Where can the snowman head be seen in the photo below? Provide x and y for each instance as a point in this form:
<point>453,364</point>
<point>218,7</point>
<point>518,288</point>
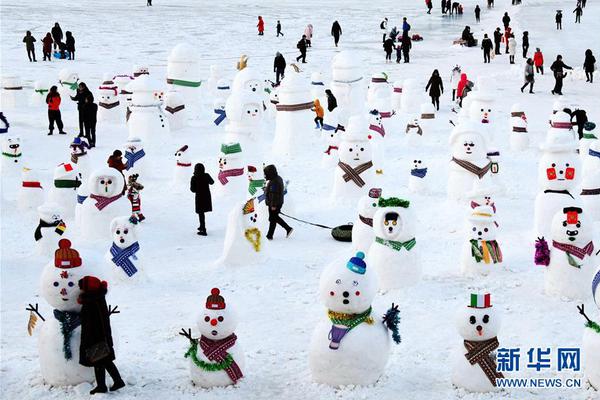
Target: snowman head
<point>249,215</point>
<point>355,148</point>
<point>106,182</point>
<point>244,109</point>
<point>182,155</point>
<point>571,226</point>
<point>59,279</point>
<point>12,145</point>
<point>481,112</point>
<point>50,212</point>
<point>558,170</point>
<point>367,205</point>
<point>219,104</point>
<point>108,95</point>
<point>480,320</point>
<point>346,67</point>
<point>348,287</point>
<point>481,224</point>
<point>218,320</point>
<point>248,81</point>
<point>123,230</point>
<point>134,144</point>
<point>393,220</point>
<point>482,193</point>
<point>230,156</point>
<point>467,144</point>
<point>417,163</point>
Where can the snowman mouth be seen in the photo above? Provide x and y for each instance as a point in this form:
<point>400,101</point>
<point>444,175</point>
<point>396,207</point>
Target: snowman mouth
<point>357,159</point>
<point>214,333</point>
<point>122,240</point>
<point>63,299</point>
<point>469,152</point>
<point>485,121</point>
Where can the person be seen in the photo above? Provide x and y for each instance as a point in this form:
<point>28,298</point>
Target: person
<point>443,6</point>
<point>477,13</point>
<point>279,67</point>
<point>579,119</point>
<point>487,46</point>
<point>558,19</point>
<point>429,5</point>
<point>331,100</point>
<point>394,34</point>
<point>405,27</point>
<point>70,43</point>
<point>462,89</point>
<point>398,54</point>
<point>274,197</point>
<point>260,26</point>
<point>83,98</point>
<point>455,80</point>
<point>467,36</point>
<point>449,6</point>
<point>436,88</point>
<point>279,28</point>
<point>497,40</point>
<point>383,27</point>
<point>29,46</point>
<point>578,11</point>
<point>388,47</point>
<point>57,35</point>
<point>589,66</point>
<point>529,76</point>
<point>538,61</point>
<point>318,109</point>
<point>558,67</point>
<point>406,44</point>
<point>308,32</point>
<point>512,48</point>
<point>506,20</point>
<point>525,44</point>
<point>301,45</point>
<point>336,32</point>
<point>149,3</point>
<point>47,47</point>
<point>490,3</point>
<point>200,186</point>
<point>507,35</point>
<point>115,160</point>
<point>89,123</point>
<point>96,348</point>
<point>53,101</point>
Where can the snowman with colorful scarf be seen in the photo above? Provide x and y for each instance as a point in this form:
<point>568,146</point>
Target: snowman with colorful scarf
<point>474,363</point>
<point>590,193</point>
<point>418,176</point>
<point>31,192</point>
<point>183,75</point>
<point>68,82</point>
<point>135,154</point>
<point>362,229</point>
<point>79,155</point>
<point>351,346</point>
<point>222,92</point>
<point>569,256</point>
<point>519,137</point>
<point>591,339</point>
<point>40,91</point>
<point>393,254</point>
<point>481,251</point>
<point>104,203</point>
<point>175,110</point>
<point>331,133</point>
<point>11,155</point>
<point>59,335</point>
<point>123,258</point>
<point>183,167</point>
<point>67,179</point>
<point>232,184</point>
<point>216,357</point>
<point>109,104</point>
<point>50,228</point>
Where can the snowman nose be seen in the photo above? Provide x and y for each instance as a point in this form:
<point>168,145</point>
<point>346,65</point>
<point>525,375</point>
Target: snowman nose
<point>479,233</point>
<point>213,322</point>
<point>345,294</point>
<point>479,329</point>
<point>63,292</point>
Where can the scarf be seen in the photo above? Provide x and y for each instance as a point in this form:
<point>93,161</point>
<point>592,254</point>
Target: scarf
<point>589,136</point>
<point>81,199</point>
<point>559,192</point>
<point>294,107</point>
<point>41,91</point>
<point>519,114</point>
<point>377,128</point>
<point>418,172</point>
<point>317,83</point>
<point>223,175</point>
<point>350,81</point>
<point>562,125</point>
<point>329,148</point>
<point>427,116</point>
<point>173,110</point>
<point>365,220</point>
<point>379,80</point>
<point>132,158</point>
<point>31,184</point>
<point>69,321</point>
<point>343,323</point>
<point>181,164</point>
<point>479,353</point>
<point>519,129</point>
<point>71,85</point>
<point>221,115</point>
<point>108,106</point>
<point>397,90</point>
<point>121,257</point>
<point>594,153</point>
<point>113,88</point>
<point>181,82</point>
<point>254,185</point>
<point>395,245</point>
<point>386,114</point>
<point>411,126</point>
<point>67,183</point>
<point>472,168</point>
<point>354,173</point>
<point>571,250</point>
<point>216,351</point>
<point>60,228</point>
<point>489,252</point>
<point>102,201</point>
<point>590,192</point>
<point>11,155</point>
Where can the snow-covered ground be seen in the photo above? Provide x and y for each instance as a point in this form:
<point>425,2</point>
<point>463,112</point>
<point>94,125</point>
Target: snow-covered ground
<point>278,301</point>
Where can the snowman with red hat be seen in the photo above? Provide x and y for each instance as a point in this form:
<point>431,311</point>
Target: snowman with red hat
<point>183,166</point>
<point>216,357</point>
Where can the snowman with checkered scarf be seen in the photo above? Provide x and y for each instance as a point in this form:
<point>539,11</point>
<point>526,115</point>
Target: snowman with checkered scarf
<point>123,257</point>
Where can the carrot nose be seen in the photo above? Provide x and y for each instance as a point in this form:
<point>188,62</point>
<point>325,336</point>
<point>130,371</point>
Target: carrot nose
<point>213,322</point>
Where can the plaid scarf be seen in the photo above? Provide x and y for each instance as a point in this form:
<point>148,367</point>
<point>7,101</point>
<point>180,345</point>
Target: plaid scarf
<point>108,106</point>
<point>102,201</point>
<point>395,245</point>
<point>489,252</point>
<point>343,323</point>
<point>590,192</point>
<point>43,224</point>
<point>353,174</point>
<point>121,257</point>
<point>69,321</point>
<point>254,185</point>
<point>329,148</point>
<point>132,158</point>
<point>571,250</point>
<point>411,126</point>
<point>223,175</point>
<point>181,82</point>
<point>294,107</point>
<point>479,353</point>
<point>221,115</point>
<point>472,168</point>
<point>419,172</point>
<point>216,351</point>
<point>377,128</point>
<point>365,220</point>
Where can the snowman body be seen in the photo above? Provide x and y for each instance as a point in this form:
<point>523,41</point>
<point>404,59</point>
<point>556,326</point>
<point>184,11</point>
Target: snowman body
<point>417,181</point>
<point>31,192</point>
<point>12,92</point>
<point>110,108</point>
<point>147,119</point>
<point>347,85</point>
<point>183,167</point>
<point>362,229</point>
<point>175,110</point>
<point>244,241</point>
<point>481,251</point>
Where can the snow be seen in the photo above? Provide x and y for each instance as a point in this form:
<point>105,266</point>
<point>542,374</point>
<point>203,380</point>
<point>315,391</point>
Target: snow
<point>278,302</point>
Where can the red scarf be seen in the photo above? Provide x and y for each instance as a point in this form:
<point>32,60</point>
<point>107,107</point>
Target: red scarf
<point>223,175</point>
<point>102,201</point>
<point>216,351</point>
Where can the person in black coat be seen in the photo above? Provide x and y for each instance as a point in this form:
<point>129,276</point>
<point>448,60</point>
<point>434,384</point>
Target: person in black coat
<point>336,32</point>
<point>497,40</point>
<point>558,19</point>
<point>388,47</point>
<point>487,47</point>
<point>579,119</point>
<point>331,100</point>
<point>29,46</point>
<point>435,87</point>
<point>506,20</point>
<point>200,185</point>
<point>558,68</point>
<point>477,13</point>
<point>279,67</point>
<point>70,43</point>
<point>83,98</point>
<point>525,43</point>
<point>302,45</point>
<point>57,35</point>
<point>589,65</point>
<point>274,200</point>
<point>279,28</point>
<point>406,45</point>
<point>96,349</point>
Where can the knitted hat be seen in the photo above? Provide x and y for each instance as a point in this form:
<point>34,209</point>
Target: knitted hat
<point>66,257</point>
<point>215,301</point>
<point>248,207</point>
<point>572,214</point>
<point>182,149</point>
<point>375,193</point>
<point>480,300</point>
<point>357,263</point>
<point>231,148</point>
<point>92,284</point>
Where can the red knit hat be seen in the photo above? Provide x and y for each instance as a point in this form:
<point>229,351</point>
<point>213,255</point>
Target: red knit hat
<point>215,301</point>
<point>65,256</point>
<point>92,284</point>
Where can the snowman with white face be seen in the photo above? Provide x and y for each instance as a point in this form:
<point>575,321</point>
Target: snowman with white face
<point>244,115</point>
<point>418,176</point>
<point>123,257</point>
<point>231,180</point>
<point>67,179</point>
<point>362,229</point>
<point>60,334</point>
<point>11,155</point>
<point>68,81</point>
<point>481,251</point>
<point>351,346</point>
<point>483,194</point>
<point>591,339</point>
<point>331,133</point>
<point>216,358</point>
<point>183,167</point>
<point>474,362</point>
<point>50,229</point>
<point>109,104</point>
<point>248,81</point>
<point>376,136</point>
<point>244,242</point>
<point>519,137</point>
<point>134,156</point>
<point>31,192</point>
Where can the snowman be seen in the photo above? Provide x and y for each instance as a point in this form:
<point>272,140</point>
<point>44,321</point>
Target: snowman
<point>109,105</point>
<point>67,179</point>
<point>569,258</point>
<point>135,155</point>
<point>183,166</point>
<point>317,87</point>
<point>588,138</point>
<point>347,85</point>
<point>248,81</point>
<point>31,192</point>
<point>362,229</point>
<point>376,136</point>
<point>122,80</point>
<point>4,124</point>
<point>393,253</point>
<point>418,176</point>
<point>519,137</point>
<point>591,339</point>
<point>481,110</point>
<point>244,115</point>
<point>590,193</point>
<point>483,193</point>
<point>79,155</point>
<point>474,362</point>
<point>40,91</point>
<point>68,82</point>
<point>11,155</point>
<point>231,182</point>
<point>216,358</point>
<point>175,110</point>
<point>146,119</point>
<point>212,81</point>
<point>379,88</point>
<point>481,251</point>
<point>331,133</point>
<point>411,97</point>
<point>184,76</point>
<point>105,202</point>
<point>12,92</point>
<point>59,336</point>
<point>414,132</point>
<point>351,346</point>
<point>560,125</point>
<point>139,70</point>
<point>244,242</point>
<point>50,228</point>
<point>123,258</point>
<point>396,97</point>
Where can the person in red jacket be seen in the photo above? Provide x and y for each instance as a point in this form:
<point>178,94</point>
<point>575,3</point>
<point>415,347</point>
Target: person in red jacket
<point>538,61</point>
<point>47,46</point>
<point>460,89</point>
<point>261,26</point>
<point>53,101</point>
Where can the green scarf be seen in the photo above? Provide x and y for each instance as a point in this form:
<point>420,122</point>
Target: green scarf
<point>67,183</point>
<point>589,136</point>
<point>11,155</point>
<point>593,326</point>
<point>71,85</point>
<point>254,185</point>
<point>41,91</point>
<point>181,82</point>
<point>350,321</point>
<point>231,148</point>
<point>207,366</point>
<point>394,245</point>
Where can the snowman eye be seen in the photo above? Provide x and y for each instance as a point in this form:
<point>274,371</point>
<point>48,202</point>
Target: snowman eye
<point>489,110</point>
<point>472,320</point>
<point>338,281</point>
<point>482,109</point>
<point>332,293</point>
<point>374,204</point>
<point>566,165</point>
<point>553,165</point>
<point>354,283</point>
<point>207,318</point>
<point>126,231</point>
<point>485,229</point>
<point>102,182</point>
<point>71,284</point>
<point>220,319</point>
<point>362,149</point>
<point>248,112</point>
<point>486,319</point>
<point>578,225</point>
<point>565,224</point>
<point>118,232</point>
<point>386,223</point>
<point>394,223</point>
<point>472,144</point>
<point>55,284</point>
<point>465,144</point>
<point>474,229</point>
<point>109,182</point>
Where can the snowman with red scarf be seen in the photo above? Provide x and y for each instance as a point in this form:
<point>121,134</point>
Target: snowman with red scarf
<point>216,358</point>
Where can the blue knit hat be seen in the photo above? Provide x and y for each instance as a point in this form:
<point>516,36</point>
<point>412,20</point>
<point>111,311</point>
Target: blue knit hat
<point>357,263</point>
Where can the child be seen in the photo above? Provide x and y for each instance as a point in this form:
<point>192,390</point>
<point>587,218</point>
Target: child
<point>200,185</point>
<point>133,194</point>
<point>53,101</point>
<point>318,109</point>
<point>398,54</point>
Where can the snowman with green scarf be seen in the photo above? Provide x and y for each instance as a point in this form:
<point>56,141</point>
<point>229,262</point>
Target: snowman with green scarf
<point>351,346</point>
<point>591,339</point>
<point>67,179</point>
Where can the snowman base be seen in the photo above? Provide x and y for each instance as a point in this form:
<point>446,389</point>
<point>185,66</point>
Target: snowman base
<point>591,351</point>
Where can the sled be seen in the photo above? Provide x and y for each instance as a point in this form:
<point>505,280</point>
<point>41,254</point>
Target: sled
<point>342,233</point>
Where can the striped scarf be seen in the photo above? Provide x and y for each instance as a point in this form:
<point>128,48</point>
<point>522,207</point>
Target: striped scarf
<point>571,250</point>
<point>140,73</point>
<point>181,82</point>
<point>343,323</point>
<point>472,168</point>
<point>395,245</point>
<point>353,174</point>
<point>365,220</point>
<point>397,90</point>
<point>121,257</point>
<point>102,202</point>
<point>294,107</point>
<point>69,321</point>
<point>488,252</point>
<point>133,157</point>
<point>221,115</point>
<point>173,110</point>
<point>223,175</point>
<point>254,185</point>
<point>59,225</point>
<point>216,351</point>
<point>479,353</point>
<point>377,128</point>
<point>595,284</point>
<point>427,116</point>
<point>418,172</point>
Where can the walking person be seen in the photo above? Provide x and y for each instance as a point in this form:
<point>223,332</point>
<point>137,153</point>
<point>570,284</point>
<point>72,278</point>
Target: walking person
<point>506,20</point>
<point>405,27</point>
<point>200,186</point>
<point>589,66</point>
<point>525,44</point>
<point>83,97</point>
<point>388,47</point>
<point>558,19</point>
<point>47,47</point>
<point>29,46</point>
<point>429,5</point>
<point>70,43</point>
<point>274,198</point>
<point>279,28</point>
<point>320,113</point>
<point>279,65</point>
<point>462,89</point>
<point>529,76</point>
<point>558,68</point>
<point>538,61</point>
<point>578,11</point>
<point>96,349</point>
<point>308,32</point>
<point>336,32</point>
<point>383,27</point>
<point>260,26</point>
<point>477,13</point>
<point>512,48</point>
<point>436,88</point>
<point>57,35</point>
<point>487,46</point>
<point>406,44</point>
<point>301,45</point>
<point>331,100</point>
<point>506,37</point>
<point>53,100</point>
<point>497,40</point>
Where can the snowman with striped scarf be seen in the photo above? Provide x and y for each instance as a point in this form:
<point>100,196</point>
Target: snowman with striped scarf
<point>481,251</point>
<point>135,154</point>
<point>591,338</point>
<point>110,108</point>
<point>352,345</point>
<point>231,180</point>
<point>123,258</point>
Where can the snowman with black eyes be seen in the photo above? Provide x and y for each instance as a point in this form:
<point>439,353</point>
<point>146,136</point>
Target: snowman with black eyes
<point>244,113</point>
<point>123,256</point>
<point>362,229</point>
<point>481,251</point>
<point>418,175</point>
<point>331,134</point>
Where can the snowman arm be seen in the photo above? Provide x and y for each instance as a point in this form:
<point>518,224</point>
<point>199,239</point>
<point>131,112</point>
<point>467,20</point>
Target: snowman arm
<point>188,334</point>
<point>582,312</point>
<point>542,252</point>
<point>112,310</point>
<point>35,310</point>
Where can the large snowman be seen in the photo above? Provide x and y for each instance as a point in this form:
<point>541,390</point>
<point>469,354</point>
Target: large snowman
<point>352,345</point>
<point>362,229</point>
<point>147,120</point>
<point>347,85</point>
<point>183,75</point>
<point>591,339</point>
<point>481,251</point>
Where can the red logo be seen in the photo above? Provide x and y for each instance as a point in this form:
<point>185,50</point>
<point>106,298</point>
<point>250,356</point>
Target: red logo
<point>551,173</point>
<point>570,173</point>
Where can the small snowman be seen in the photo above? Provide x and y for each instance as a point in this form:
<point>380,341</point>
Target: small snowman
<point>139,70</point>
<point>122,257</point>
<point>379,88</point>
<point>40,91</point>
<point>134,155</point>
<point>481,251</point>
<point>427,118</point>
<point>244,242</point>
<point>231,182</point>
<point>376,136</point>
<point>135,198</point>
<point>362,229</point>
<point>483,193</point>
<point>591,339</point>
<point>12,92</point>
<point>561,125</point>
<point>331,135</point>
<point>589,137</point>
<point>109,105</point>
<point>569,260</point>
<point>474,365</point>
<point>418,176</point>
<point>31,192</point>
<point>414,132</point>
<point>351,346</point>
<point>393,253</point>
<point>590,193</point>
<point>50,229</point>
<point>183,166</point>
<point>67,179</point>
<point>11,154</point>
<point>175,110</point>
<point>68,82</point>
<point>213,80</point>
<point>216,358</point>
<point>244,115</point>
<point>519,137</point>
<point>79,155</point>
